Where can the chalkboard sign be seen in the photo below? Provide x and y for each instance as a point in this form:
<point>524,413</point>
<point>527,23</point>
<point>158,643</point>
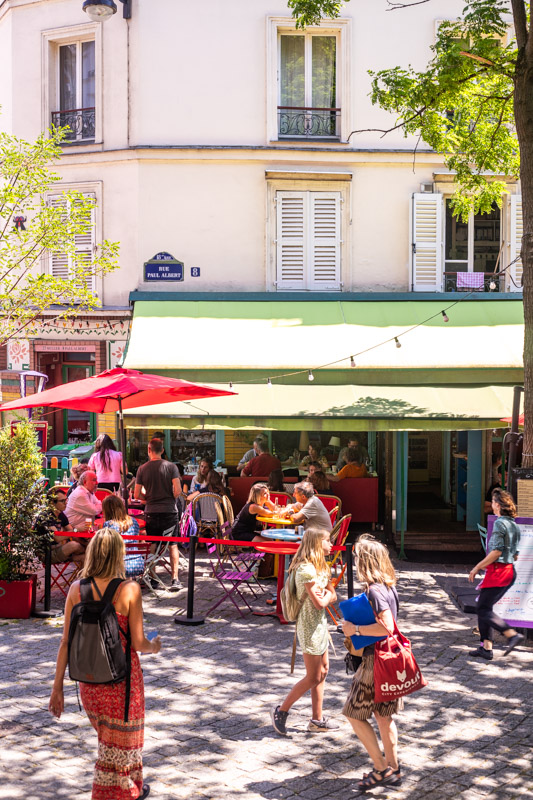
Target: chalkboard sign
<point>163,267</point>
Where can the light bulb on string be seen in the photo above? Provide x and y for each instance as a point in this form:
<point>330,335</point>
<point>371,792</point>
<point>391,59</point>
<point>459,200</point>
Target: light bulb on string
<point>269,383</point>
<point>445,316</point>
<point>352,361</point>
<point>492,286</point>
<point>398,343</point>
<point>310,376</point>
<point>230,385</point>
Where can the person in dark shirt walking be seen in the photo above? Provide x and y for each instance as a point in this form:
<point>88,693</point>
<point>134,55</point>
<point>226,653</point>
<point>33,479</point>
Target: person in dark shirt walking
<point>158,484</point>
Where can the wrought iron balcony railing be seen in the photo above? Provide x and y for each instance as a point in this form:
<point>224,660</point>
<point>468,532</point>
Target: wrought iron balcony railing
<point>472,282</point>
<point>81,122</point>
<point>310,123</point>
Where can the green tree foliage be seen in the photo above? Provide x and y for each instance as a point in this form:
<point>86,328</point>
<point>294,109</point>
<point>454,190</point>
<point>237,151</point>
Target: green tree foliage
<point>21,499</point>
<point>26,289</point>
<point>473,104</point>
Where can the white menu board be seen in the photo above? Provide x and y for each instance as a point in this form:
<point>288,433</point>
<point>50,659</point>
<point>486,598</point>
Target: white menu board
<point>516,607</point>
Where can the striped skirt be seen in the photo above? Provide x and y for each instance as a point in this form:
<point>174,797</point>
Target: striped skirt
<point>360,703</point>
<point>118,773</point>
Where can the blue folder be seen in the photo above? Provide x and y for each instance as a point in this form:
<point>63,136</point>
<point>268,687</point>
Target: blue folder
<point>359,611</point>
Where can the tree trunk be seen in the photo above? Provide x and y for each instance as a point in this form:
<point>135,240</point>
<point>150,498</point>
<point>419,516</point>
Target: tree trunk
<point>523,108</point>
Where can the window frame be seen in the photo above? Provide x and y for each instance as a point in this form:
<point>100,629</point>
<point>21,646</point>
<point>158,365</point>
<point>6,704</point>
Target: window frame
<point>51,41</point>
<point>95,188</point>
<point>341,29</point>
<point>469,261</point>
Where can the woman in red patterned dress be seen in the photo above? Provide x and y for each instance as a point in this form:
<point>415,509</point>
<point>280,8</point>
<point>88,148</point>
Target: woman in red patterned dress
<point>118,771</point>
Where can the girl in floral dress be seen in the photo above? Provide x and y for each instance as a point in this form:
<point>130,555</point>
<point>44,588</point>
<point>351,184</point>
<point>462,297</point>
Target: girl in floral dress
<point>314,587</point>
<point>118,772</point>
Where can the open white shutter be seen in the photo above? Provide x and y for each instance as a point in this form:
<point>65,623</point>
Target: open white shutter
<point>59,262</point>
<point>86,244</point>
<point>291,217</point>
<point>325,240</point>
<point>427,242</point>
<point>515,242</point>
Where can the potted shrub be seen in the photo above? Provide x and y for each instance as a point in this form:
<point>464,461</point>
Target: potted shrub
<point>21,500</point>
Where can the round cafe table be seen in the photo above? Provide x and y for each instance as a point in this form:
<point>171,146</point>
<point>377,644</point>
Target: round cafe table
<point>280,549</point>
<point>281,521</point>
<point>283,535</point>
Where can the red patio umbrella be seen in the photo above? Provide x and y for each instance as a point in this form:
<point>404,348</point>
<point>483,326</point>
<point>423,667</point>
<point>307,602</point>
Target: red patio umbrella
<point>510,419</point>
<point>115,390</point>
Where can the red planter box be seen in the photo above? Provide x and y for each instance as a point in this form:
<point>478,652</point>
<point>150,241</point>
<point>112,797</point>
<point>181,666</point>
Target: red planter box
<point>17,598</point>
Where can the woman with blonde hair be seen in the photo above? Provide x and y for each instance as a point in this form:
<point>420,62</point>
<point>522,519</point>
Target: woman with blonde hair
<point>116,516</point>
<point>375,571</point>
<point>314,588</point>
<point>245,525</point>
<point>118,771</point>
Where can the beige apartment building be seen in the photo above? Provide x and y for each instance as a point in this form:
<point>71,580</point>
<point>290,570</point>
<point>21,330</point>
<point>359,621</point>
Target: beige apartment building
<point>272,238</point>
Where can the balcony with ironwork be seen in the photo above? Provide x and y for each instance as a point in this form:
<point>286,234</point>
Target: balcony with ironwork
<point>473,282</point>
<point>302,122</point>
<point>80,123</point>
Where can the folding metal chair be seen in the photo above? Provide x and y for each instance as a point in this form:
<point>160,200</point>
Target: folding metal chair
<point>281,498</point>
<point>154,560</point>
<point>231,580</point>
<point>61,576</point>
<point>101,494</point>
<point>482,536</point>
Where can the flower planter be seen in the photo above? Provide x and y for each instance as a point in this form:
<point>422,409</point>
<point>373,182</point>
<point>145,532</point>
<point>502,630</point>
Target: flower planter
<point>17,598</point>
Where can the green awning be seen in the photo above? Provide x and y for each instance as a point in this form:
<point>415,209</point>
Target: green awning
<point>335,408</point>
<point>483,340</point>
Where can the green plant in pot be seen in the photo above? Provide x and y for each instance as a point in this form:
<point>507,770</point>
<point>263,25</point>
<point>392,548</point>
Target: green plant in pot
<point>21,500</point>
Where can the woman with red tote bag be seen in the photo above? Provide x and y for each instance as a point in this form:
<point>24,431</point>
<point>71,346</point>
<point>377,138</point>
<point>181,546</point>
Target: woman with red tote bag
<point>374,568</point>
<point>499,577</point>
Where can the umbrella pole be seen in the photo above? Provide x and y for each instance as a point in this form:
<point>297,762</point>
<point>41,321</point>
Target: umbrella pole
<point>123,448</point>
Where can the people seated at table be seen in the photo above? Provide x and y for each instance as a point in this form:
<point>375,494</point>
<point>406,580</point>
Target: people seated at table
<point>106,461</point>
<point>320,483</point>
<point>116,516</point>
<point>214,484</point>
<point>76,471</point>
<point>354,467</point>
<point>200,479</point>
<point>308,510</point>
<point>276,483</point>
<point>353,442</point>
<point>263,463</point>
<point>246,527</point>
<point>52,523</point>
<point>252,453</point>
<point>314,456</point>
<point>82,505</point>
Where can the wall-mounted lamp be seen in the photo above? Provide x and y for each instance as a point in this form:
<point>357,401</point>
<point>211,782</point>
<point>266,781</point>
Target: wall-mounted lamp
<point>100,10</point>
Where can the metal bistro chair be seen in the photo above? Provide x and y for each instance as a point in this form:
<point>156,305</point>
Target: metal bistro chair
<point>230,579</point>
<point>62,577</point>
<point>207,511</point>
<point>330,502</point>
<point>482,536</point>
<point>154,560</point>
<point>338,537</point>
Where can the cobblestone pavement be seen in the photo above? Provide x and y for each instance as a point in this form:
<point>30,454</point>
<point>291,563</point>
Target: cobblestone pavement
<point>208,694</point>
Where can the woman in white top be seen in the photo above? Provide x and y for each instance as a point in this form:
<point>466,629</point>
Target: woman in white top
<point>106,461</point>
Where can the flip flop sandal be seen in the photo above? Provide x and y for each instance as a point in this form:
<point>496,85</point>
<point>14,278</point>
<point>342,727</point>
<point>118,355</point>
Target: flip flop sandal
<point>371,780</point>
<point>146,791</point>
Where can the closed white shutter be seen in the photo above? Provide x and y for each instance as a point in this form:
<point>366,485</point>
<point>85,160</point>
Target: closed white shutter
<point>427,242</point>
<point>515,242</point>
<point>61,263</point>
<point>291,216</point>
<point>325,240</point>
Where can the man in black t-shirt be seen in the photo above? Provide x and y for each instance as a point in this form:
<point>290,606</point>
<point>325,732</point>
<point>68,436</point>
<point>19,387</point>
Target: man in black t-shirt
<point>158,484</point>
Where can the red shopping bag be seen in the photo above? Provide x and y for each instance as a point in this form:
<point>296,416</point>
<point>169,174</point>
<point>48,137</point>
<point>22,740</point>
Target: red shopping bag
<point>396,672</point>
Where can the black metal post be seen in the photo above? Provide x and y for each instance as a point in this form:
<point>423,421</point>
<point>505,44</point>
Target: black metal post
<point>46,612</point>
<point>349,567</point>
<point>189,619</point>
<point>513,440</point>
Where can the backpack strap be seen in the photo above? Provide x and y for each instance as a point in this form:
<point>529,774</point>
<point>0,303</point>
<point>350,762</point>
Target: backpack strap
<point>86,594</point>
<point>112,587</point>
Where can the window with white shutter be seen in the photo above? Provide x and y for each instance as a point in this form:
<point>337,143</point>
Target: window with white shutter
<point>427,242</point>
<point>61,264</point>
<point>515,244</point>
<point>308,239</point>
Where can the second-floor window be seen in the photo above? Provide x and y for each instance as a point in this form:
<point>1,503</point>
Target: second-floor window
<point>67,265</point>
<point>76,89</point>
<point>307,96</point>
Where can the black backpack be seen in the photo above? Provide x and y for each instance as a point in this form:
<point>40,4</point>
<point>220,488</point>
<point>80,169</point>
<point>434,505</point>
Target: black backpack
<point>95,652</point>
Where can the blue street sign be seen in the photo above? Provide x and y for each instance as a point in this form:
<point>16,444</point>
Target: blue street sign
<point>195,272</point>
<point>163,267</point>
